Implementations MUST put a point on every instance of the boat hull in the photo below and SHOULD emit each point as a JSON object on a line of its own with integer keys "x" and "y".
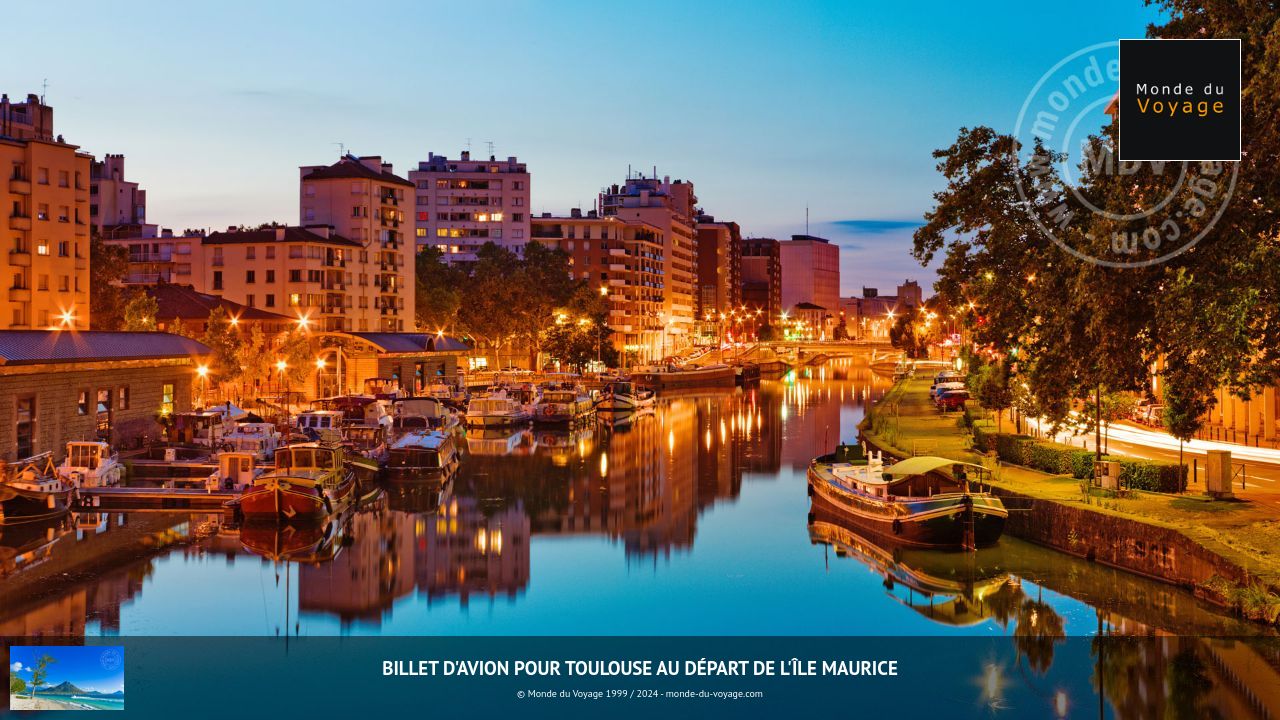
{"x": 278, "y": 498}
{"x": 497, "y": 420}
{"x": 18, "y": 505}
{"x": 940, "y": 522}
{"x": 711, "y": 377}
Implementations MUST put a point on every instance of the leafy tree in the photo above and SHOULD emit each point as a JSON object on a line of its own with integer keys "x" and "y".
{"x": 225, "y": 342}
{"x": 1115, "y": 406}
{"x": 438, "y": 294}
{"x": 108, "y": 265}
{"x": 990, "y": 386}
{"x": 768, "y": 333}
{"x": 40, "y": 672}
{"x": 16, "y": 684}
{"x": 140, "y": 312}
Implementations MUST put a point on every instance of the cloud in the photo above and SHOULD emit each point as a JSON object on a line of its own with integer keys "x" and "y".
{"x": 16, "y": 667}
{"x": 876, "y": 227}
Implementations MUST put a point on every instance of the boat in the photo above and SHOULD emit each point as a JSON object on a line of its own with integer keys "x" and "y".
{"x": 257, "y": 438}
{"x": 912, "y": 503}
{"x": 367, "y": 441}
{"x": 358, "y": 409}
{"x": 672, "y": 376}
{"x": 307, "y": 543}
{"x": 566, "y": 403}
{"x": 317, "y": 423}
{"x": 622, "y": 396}
{"x": 31, "y": 491}
{"x": 936, "y": 585}
{"x": 423, "y": 414}
{"x": 310, "y": 480}
{"x": 747, "y": 373}
{"x": 90, "y": 463}
{"x": 496, "y": 408}
{"x": 422, "y": 454}
{"x": 497, "y": 442}
{"x": 236, "y": 472}
{"x": 449, "y": 394}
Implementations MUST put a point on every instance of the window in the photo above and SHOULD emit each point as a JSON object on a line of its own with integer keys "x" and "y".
{"x": 271, "y": 300}
{"x": 249, "y": 301}
{"x": 64, "y": 248}
{"x": 295, "y": 299}
{"x": 217, "y": 279}
{"x": 271, "y": 276}
{"x": 166, "y": 399}
{"x": 64, "y": 283}
{"x": 82, "y": 402}
{"x": 122, "y": 397}
{"x": 249, "y": 276}
{"x": 421, "y": 232}
{"x": 42, "y": 247}
{"x": 517, "y": 234}
{"x": 26, "y": 426}
{"x": 42, "y": 282}
{"x": 104, "y": 413}
{"x": 271, "y": 255}
{"x": 64, "y": 179}
{"x": 42, "y": 176}
{"x": 295, "y": 275}
{"x": 250, "y": 253}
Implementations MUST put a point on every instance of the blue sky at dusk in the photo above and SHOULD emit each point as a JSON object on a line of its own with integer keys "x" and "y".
{"x": 80, "y": 665}
{"x": 767, "y": 107}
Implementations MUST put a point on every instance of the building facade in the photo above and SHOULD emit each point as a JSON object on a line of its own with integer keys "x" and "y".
{"x": 810, "y": 273}
{"x": 365, "y": 202}
{"x": 719, "y": 267}
{"x": 462, "y": 204}
{"x": 58, "y": 386}
{"x": 623, "y": 259}
{"x": 45, "y": 200}
{"x": 871, "y": 316}
{"x": 671, "y": 208}
{"x": 114, "y": 202}
{"x": 762, "y": 277}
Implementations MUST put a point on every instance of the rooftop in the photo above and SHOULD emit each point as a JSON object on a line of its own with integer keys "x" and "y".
{"x": 310, "y": 234}
{"x": 350, "y": 166}
{"x": 29, "y": 347}
{"x": 411, "y": 342}
{"x": 184, "y": 303}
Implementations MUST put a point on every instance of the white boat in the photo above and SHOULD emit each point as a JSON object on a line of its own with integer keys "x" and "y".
{"x": 563, "y": 404}
{"x": 496, "y": 408}
{"x": 90, "y": 463}
{"x": 621, "y": 397}
{"x": 446, "y": 392}
{"x": 314, "y": 423}
{"x": 259, "y": 439}
{"x": 423, "y": 413}
{"x": 236, "y": 472}
{"x": 422, "y": 454}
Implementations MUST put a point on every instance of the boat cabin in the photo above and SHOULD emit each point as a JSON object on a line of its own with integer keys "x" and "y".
{"x": 258, "y": 438}
{"x": 236, "y": 471}
{"x": 201, "y": 427}
{"x": 363, "y": 438}
{"x": 90, "y": 463}
{"x": 309, "y": 456}
{"x": 319, "y": 420}
{"x": 421, "y": 450}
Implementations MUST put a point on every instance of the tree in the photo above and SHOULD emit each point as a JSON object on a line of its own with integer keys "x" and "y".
{"x": 768, "y": 333}
{"x": 16, "y": 684}
{"x": 1115, "y": 406}
{"x": 108, "y": 265}
{"x": 140, "y": 312}
{"x": 40, "y": 672}
{"x": 225, "y": 342}
{"x": 989, "y": 384}
{"x": 437, "y": 295}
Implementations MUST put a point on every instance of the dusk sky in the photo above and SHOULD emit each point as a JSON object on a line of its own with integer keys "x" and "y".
{"x": 767, "y": 107}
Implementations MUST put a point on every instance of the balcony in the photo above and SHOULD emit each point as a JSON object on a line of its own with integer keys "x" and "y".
{"x": 19, "y": 222}
{"x": 145, "y": 257}
{"x": 19, "y": 258}
{"x": 19, "y": 294}
{"x": 147, "y": 278}
{"x": 18, "y": 186}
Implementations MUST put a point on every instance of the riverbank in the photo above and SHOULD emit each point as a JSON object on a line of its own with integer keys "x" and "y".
{"x": 1227, "y": 551}
{"x": 24, "y": 702}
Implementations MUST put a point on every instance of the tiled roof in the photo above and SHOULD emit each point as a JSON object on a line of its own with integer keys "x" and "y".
{"x": 184, "y": 303}
{"x": 26, "y": 347}
{"x": 411, "y": 342}
{"x": 267, "y": 235}
{"x": 349, "y": 167}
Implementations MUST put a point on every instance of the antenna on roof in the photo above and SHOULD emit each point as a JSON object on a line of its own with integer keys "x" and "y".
{"x": 44, "y": 88}
{"x": 806, "y": 219}
{"x": 342, "y": 149}
{"x": 490, "y": 144}
{"x": 468, "y": 144}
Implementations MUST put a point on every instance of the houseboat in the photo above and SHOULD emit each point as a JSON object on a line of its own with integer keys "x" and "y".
{"x": 422, "y": 454}
{"x": 31, "y": 491}
{"x": 566, "y": 403}
{"x": 367, "y": 441}
{"x": 621, "y": 396}
{"x": 912, "y": 503}
{"x": 672, "y": 376}
{"x": 260, "y": 439}
{"x": 90, "y": 463}
{"x": 365, "y": 410}
{"x": 311, "y": 481}
{"x": 236, "y": 472}
{"x": 320, "y": 424}
{"x": 496, "y": 408}
{"x": 423, "y": 414}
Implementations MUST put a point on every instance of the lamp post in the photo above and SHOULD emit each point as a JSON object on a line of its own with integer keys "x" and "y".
{"x": 203, "y": 372}
{"x": 280, "y": 368}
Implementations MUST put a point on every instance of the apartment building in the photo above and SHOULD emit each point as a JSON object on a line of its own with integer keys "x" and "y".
{"x": 117, "y": 207}
{"x": 462, "y": 204}
{"x": 719, "y": 267}
{"x": 45, "y": 200}
{"x": 762, "y": 277}
{"x": 623, "y": 259}
{"x": 161, "y": 257}
{"x": 669, "y": 207}
{"x": 364, "y": 202}
{"x": 810, "y": 273}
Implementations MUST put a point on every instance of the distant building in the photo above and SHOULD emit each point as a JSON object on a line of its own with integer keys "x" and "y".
{"x": 762, "y": 277}
{"x": 116, "y": 205}
{"x": 65, "y": 385}
{"x": 462, "y": 204}
{"x": 872, "y": 315}
{"x": 810, "y": 273}
{"x": 45, "y": 197}
{"x": 719, "y": 267}
{"x": 625, "y": 260}
{"x": 362, "y": 200}
{"x": 670, "y": 207}
{"x": 161, "y": 257}
{"x": 183, "y": 307}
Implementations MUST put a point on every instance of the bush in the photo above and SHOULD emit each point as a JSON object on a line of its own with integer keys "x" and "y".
{"x": 1049, "y": 457}
{"x": 1150, "y": 475}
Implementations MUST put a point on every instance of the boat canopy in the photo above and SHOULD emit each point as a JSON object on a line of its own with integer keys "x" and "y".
{"x": 923, "y": 465}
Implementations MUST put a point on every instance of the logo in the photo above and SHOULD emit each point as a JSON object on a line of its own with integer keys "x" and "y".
{"x": 111, "y": 658}
{"x": 1086, "y": 200}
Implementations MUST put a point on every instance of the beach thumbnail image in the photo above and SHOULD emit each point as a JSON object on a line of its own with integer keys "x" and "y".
{"x": 66, "y": 677}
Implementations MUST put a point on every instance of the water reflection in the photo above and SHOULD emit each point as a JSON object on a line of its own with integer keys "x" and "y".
{"x": 637, "y": 527}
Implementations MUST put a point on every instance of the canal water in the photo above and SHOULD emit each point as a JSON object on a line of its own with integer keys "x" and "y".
{"x": 692, "y": 520}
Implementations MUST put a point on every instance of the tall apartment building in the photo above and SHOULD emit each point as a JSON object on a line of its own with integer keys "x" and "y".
{"x": 117, "y": 207}
{"x": 719, "y": 267}
{"x": 810, "y": 273}
{"x": 45, "y": 198}
{"x": 462, "y": 204}
{"x": 762, "y": 276}
{"x": 670, "y": 207}
{"x": 625, "y": 260}
{"x": 365, "y": 202}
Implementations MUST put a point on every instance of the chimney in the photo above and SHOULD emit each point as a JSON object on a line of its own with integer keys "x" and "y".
{"x": 575, "y": 213}
{"x": 279, "y": 234}
{"x": 466, "y": 154}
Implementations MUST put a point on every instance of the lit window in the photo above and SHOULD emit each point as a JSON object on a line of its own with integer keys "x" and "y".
{"x": 295, "y": 299}
{"x": 496, "y": 217}
{"x": 442, "y": 232}
{"x": 42, "y": 247}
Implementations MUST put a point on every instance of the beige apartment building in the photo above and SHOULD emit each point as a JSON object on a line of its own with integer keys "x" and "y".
{"x": 365, "y": 203}
{"x": 44, "y": 199}
{"x": 116, "y": 205}
{"x": 671, "y": 208}
{"x": 623, "y": 259}
{"x": 462, "y": 204}
{"x": 719, "y": 267}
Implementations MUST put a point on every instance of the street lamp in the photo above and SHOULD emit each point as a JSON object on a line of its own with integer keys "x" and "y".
{"x": 280, "y": 368}
{"x": 203, "y": 372}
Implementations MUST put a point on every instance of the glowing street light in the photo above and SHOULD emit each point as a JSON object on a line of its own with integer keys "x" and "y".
{"x": 320, "y": 363}
{"x": 67, "y": 317}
